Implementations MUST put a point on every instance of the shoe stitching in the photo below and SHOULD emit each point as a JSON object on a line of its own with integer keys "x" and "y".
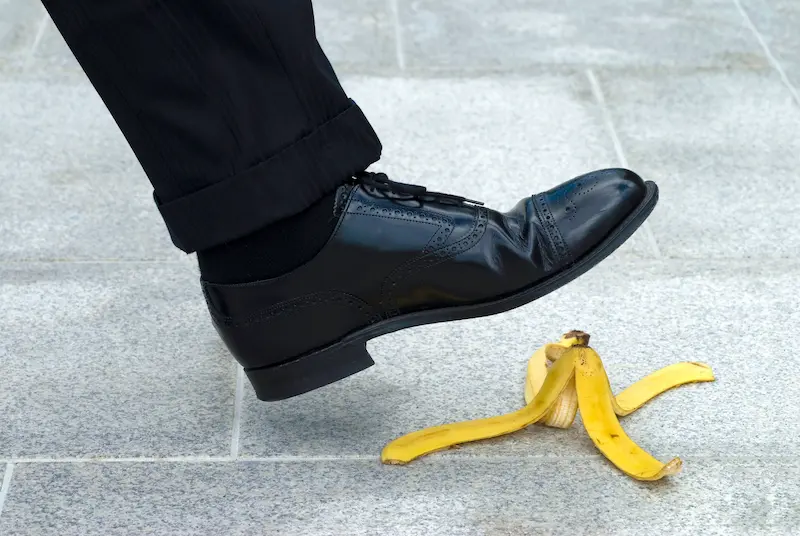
{"x": 432, "y": 258}
{"x": 445, "y": 228}
{"x": 546, "y": 228}
{"x": 419, "y": 215}
{"x": 548, "y": 222}
{"x": 294, "y": 305}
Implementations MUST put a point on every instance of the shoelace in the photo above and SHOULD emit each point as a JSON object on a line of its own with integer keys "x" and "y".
{"x": 381, "y": 182}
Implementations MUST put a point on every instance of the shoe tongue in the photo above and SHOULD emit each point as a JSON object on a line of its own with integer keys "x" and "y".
{"x": 342, "y": 195}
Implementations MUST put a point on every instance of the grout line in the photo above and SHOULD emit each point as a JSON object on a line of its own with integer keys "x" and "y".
{"x": 398, "y": 34}
{"x": 6, "y": 485}
{"x": 599, "y": 96}
{"x": 143, "y": 459}
{"x": 771, "y": 57}
{"x": 196, "y": 459}
{"x": 237, "y": 412}
{"x": 650, "y": 236}
{"x": 38, "y": 39}
{"x": 296, "y": 459}
{"x": 91, "y": 261}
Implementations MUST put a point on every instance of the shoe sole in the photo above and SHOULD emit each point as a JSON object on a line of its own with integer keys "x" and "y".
{"x": 349, "y": 355}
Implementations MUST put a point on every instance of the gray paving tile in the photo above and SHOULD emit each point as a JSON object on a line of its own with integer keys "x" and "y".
{"x": 643, "y": 315}
{"x": 476, "y": 497}
{"x": 72, "y": 188}
{"x": 777, "y": 22}
{"x": 110, "y": 359}
{"x": 725, "y": 149}
{"x": 51, "y": 60}
{"x": 510, "y": 35}
{"x": 68, "y": 214}
{"x": 496, "y": 140}
{"x": 357, "y": 35}
{"x": 19, "y": 22}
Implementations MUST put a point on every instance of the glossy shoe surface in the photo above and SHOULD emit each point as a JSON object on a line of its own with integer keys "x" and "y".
{"x": 402, "y": 256}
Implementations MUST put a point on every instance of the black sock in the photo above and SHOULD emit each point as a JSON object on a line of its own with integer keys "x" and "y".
{"x": 274, "y": 250}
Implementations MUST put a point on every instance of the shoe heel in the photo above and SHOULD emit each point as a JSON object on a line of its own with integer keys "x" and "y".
{"x": 309, "y": 372}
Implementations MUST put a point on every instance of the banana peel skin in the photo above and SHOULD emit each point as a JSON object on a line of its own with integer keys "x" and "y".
{"x": 563, "y": 378}
{"x": 416, "y": 444}
{"x": 596, "y": 403}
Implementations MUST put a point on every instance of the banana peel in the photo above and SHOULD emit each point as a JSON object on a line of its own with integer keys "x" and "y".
{"x": 595, "y": 401}
{"x": 563, "y": 414}
{"x": 563, "y": 378}
{"x": 417, "y": 444}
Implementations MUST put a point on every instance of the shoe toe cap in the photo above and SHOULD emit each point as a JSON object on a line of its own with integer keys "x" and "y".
{"x": 586, "y": 209}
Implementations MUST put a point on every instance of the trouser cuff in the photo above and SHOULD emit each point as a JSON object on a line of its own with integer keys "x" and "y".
{"x": 285, "y": 184}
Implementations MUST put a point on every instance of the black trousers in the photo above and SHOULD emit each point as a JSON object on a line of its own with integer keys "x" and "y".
{"x": 231, "y": 107}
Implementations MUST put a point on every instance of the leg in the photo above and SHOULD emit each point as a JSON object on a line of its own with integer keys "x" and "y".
{"x": 243, "y": 129}
{"x": 231, "y": 107}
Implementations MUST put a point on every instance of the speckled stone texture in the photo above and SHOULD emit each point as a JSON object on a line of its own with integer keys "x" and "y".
{"x": 514, "y": 35}
{"x": 119, "y": 407}
{"x": 354, "y": 497}
{"x": 725, "y": 150}
{"x": 111, "y": 359}
{"x": 777, "y": 22}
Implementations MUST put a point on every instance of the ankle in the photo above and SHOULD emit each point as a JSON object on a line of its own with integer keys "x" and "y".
{"x": 273, "y": 250}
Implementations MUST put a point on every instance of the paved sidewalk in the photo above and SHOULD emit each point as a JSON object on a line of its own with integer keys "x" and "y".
{"x": 121, "y": 412}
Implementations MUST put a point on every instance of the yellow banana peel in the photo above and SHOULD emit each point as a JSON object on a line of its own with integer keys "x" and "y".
{"x": 563, "y": 378}
{"x": 417, "y": 444}
{"x": 649, "y": 387}
{"x": 563, "y": 412}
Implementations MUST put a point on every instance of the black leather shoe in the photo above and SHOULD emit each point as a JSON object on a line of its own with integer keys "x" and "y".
{"x": 402, "y": 256}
